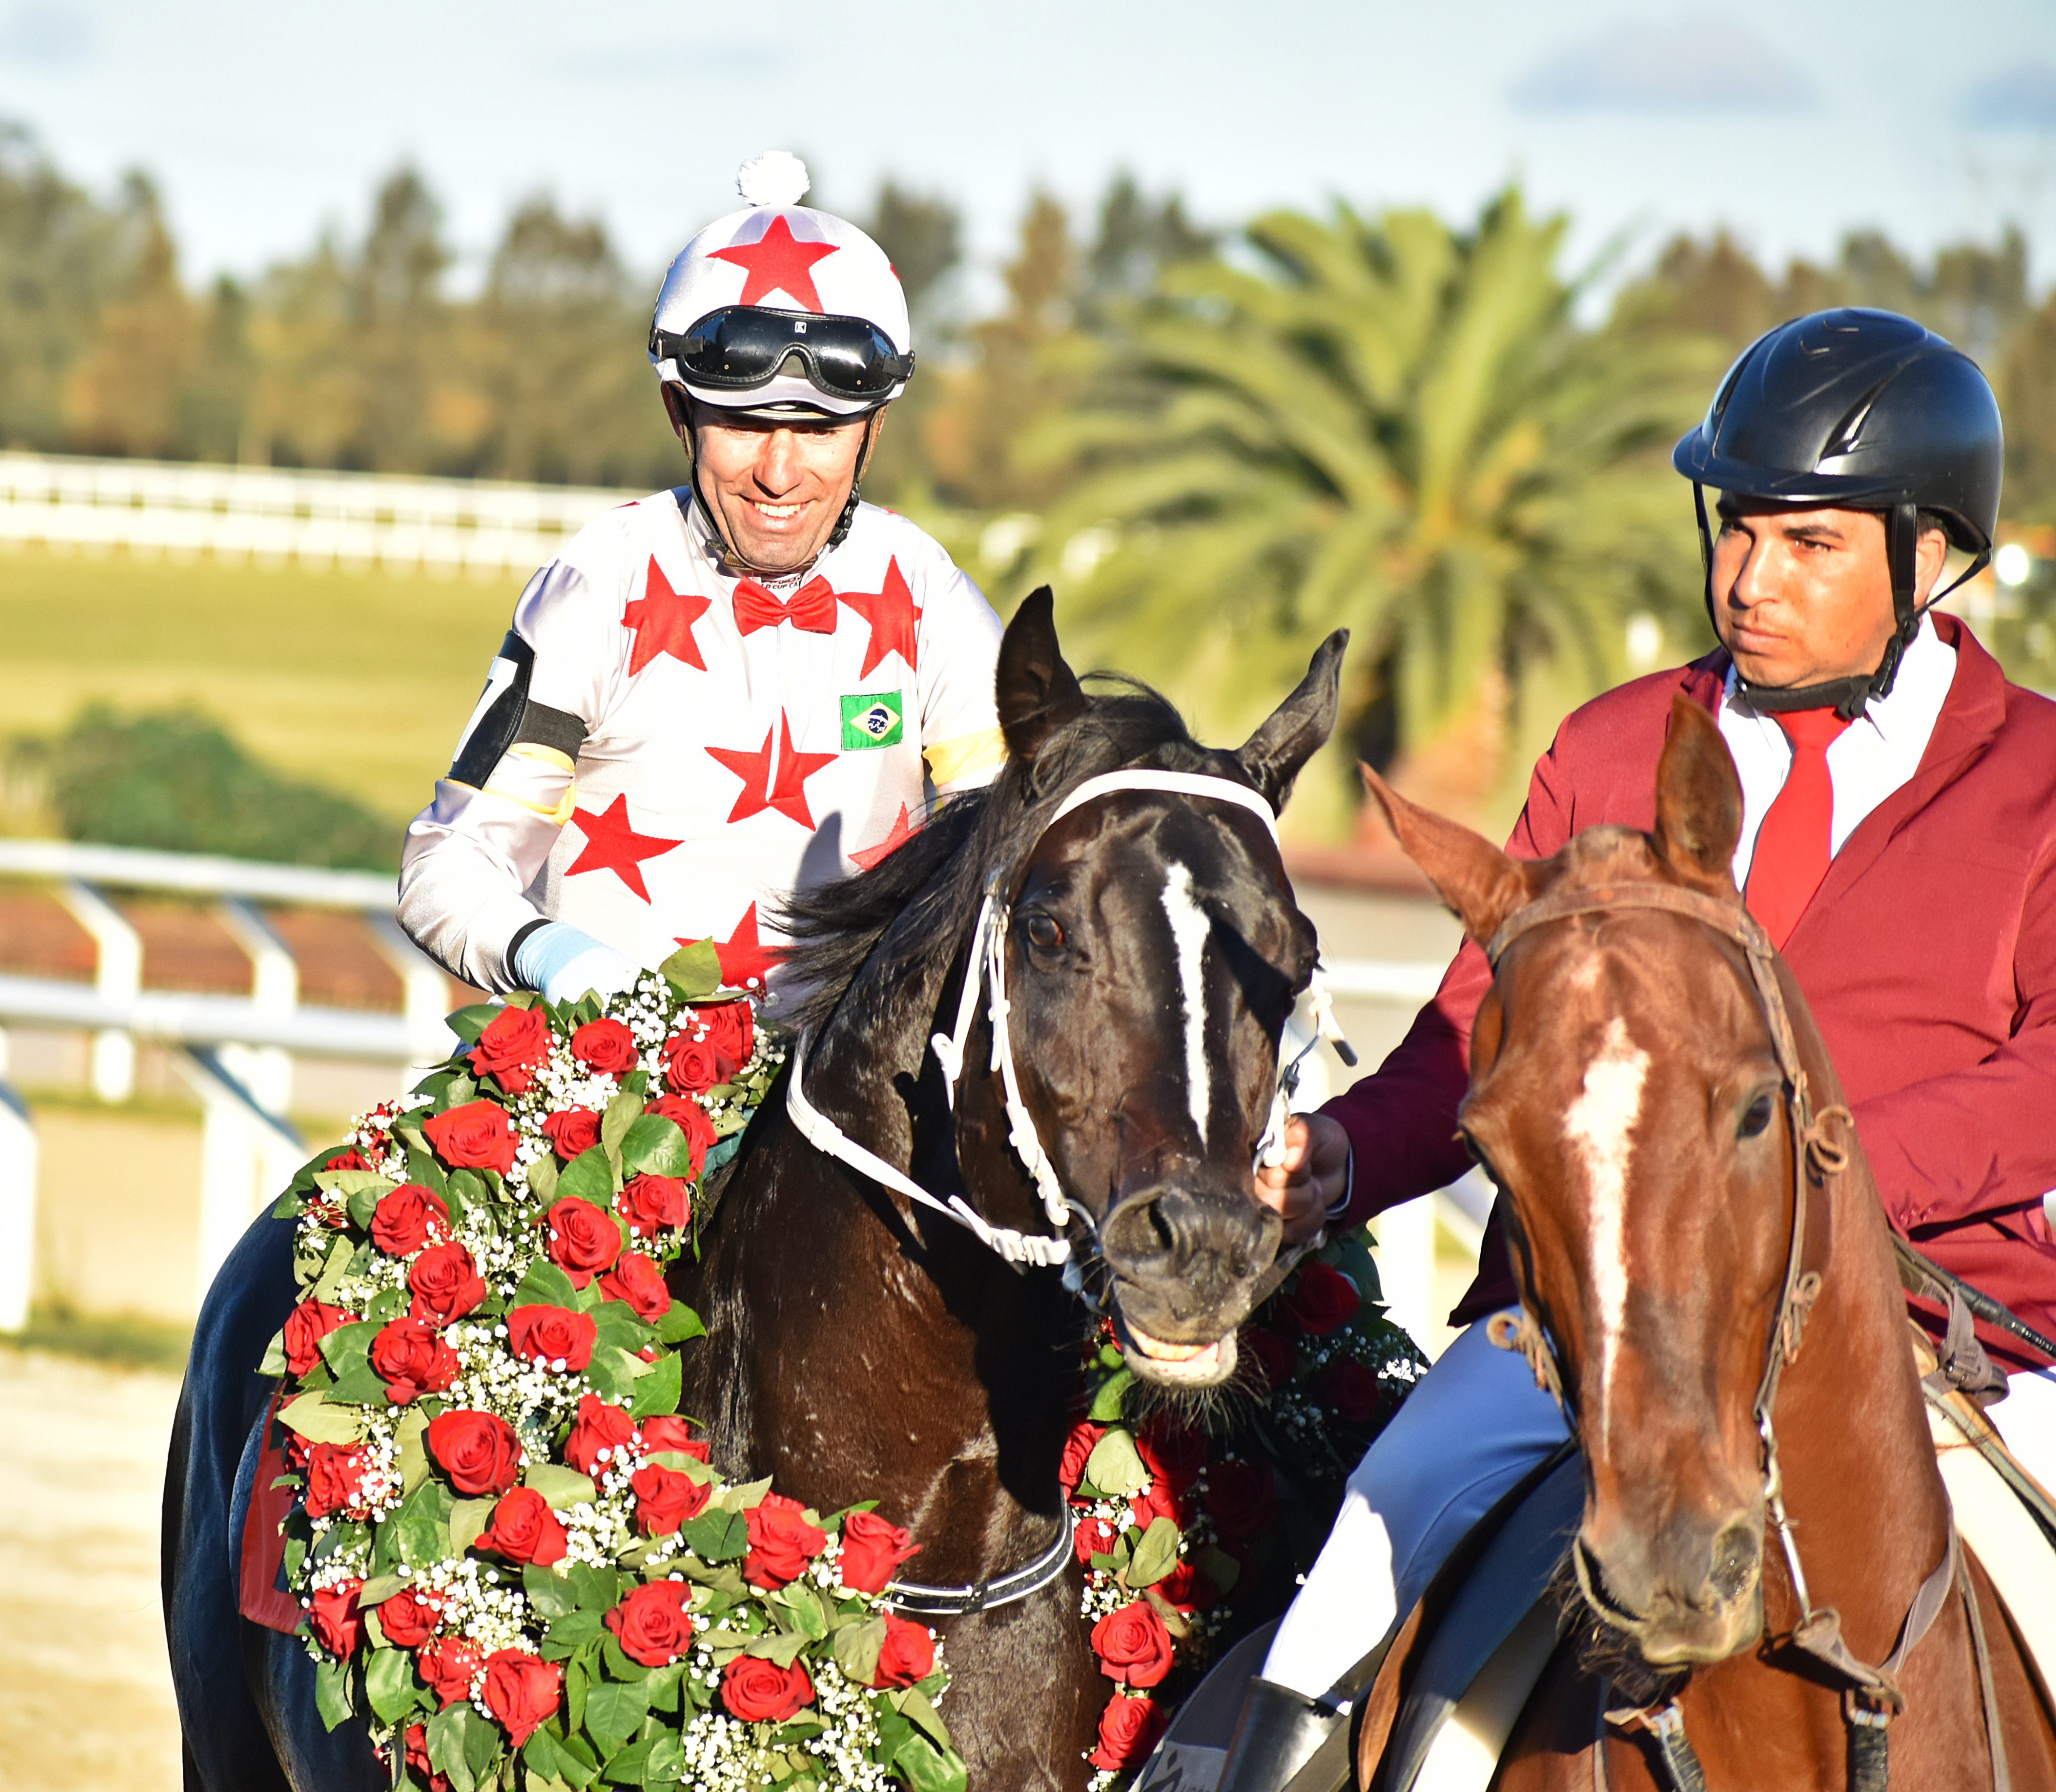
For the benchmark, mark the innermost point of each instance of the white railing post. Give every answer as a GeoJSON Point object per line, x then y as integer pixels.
{"type": "Point", "coordinates": [118, 977]}
{"type": "Point", "coordinates": [18, 1164]}
{"type": "Point", "coordinates": [267, 1071]}
{"type": "Point", "coordinates": [247, 1157]}
{"type": "Point", "coordinates": [424, 998]}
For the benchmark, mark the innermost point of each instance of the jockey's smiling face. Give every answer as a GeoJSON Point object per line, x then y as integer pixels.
{"type": "Point", "coordinates": [1804, 594]}
{"type": "Point", "coordinates": [777, 489]}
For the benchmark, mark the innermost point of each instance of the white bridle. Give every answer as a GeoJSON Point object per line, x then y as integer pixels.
{"type": "Point", "coordinates": [987, 969]}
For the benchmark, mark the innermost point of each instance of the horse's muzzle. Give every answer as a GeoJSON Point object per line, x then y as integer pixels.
{"type": "Point", "coordinates": [1693, 1595]}
{"type": "Point", "coordinates": [1186, 1260]}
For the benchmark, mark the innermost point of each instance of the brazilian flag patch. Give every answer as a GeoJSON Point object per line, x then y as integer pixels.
{"type": "Point", "coordinates": [872, 719]}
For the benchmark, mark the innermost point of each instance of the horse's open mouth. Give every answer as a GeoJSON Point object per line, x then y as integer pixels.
{"type": "Point", "coordinates": [1176, 1365]}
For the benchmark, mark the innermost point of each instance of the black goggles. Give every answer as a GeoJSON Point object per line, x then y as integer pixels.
{"type": "Point", "coordinates": [740, 347]}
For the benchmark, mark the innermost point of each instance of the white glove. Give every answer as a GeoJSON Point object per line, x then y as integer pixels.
{"type": "Point", "coordinates": [566, 964]}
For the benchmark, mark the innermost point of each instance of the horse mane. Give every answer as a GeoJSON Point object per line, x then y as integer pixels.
{"type": "Point", "coordinates": [862, 940]}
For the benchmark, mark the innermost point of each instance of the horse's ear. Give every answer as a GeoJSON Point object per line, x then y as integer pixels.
{"type": "Point", "coordinates": [1037, 692]}
{"type": "Point", "coordinates": [1699, 801]}
{"type": "Point", "coordinates": [1481, 884]}
{"type": "Point", "coordinates": [1277, 753]}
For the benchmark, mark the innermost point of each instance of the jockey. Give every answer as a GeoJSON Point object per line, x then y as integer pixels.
{"type": "Point", "coordinates": [1892, 778]}
{"type": "Point", "coordinates": [728, 691]}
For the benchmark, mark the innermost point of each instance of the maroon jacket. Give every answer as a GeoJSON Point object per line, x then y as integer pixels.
{"type": "Point", "coordinates": [1928, 957]}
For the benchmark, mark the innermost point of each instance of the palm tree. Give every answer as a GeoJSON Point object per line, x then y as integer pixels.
{"type": "Point", "coordinates": [1386, 425]}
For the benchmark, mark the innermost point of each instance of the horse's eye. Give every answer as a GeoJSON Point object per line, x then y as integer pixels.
{"type": "Point", "coordinates": [1044, 935]}
{"type": "Point", "coordinates": [1755, 1118]}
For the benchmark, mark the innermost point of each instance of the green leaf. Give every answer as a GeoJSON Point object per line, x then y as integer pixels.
{"type": "Point", "coordinates": [545, 1285]}
{"type": "Point", "coordinates": [345, 1348]}
{"type": "Point", "coordinates": [626, 1768]}
{"type": "Point", "coordinates": [451, 1749]}
{"type": "Point", "coordinates": [577, 1758]}
{"type": "Point", "coordinates": [549, 1592]}
{"type": "Point", "coordinates": [463, 1191]}
{"type": "Point", "coordinates": [662, 1686]}
{"type": "Point", "coordinates": [333, 1271]}
{"type": "Point", "coordinates": [1114, 1467]}
{"type": "Point", "coordinates": [913, 1702]}
{"type": "Point", "coordinates": [363, 1387]}
{"type": "Point", "coordinates": [666, 1762]}
{"type": "Point", "coordinates": [805, 1604]}
{"type": "Point", "coordinates": [658, 1391]}
{"type": "Point", "coordinates": [386, 1306]}
{"type": "Point", "coordinates": [718, 1536]}
{"type": "Point", "coordinates": [350, 1183]}
{"type": "Point", "coordinates": [1155, 1555]}
{"type": "Point", "coordinates": [679, 1323]}
{"type": "Point", "coordinates": [618, 1665]}
{"type": "Point", "coordinates": [780, 1646]}
{"type": "Point", "coordinates": [614, 1712]}
{"type": "Point", "coordinates": [615, 1322]}
{"type": "Point", "coordinates": [468, 1519]}
{"type": "Point", "coordinates": [623, 1111]}
{"type": "Point", "coordinates": [483, 1744]}
{"type": "Point", "coordinates": [332, 1697]}
{"type": "Point", "coordinates": [469, 1023]}
{"type": "Point", "coordinates": [562, 1487]}
{"type": "Point", "coordinates": [694, 971]}
{"type": "Point", "coordinates": [273, 1364]}
{"type": "Point", "coordinates": [543, 1179]}
{"type": "Point", "coordinates": [857, 1648]}
{"type": "Point", "coordinates": [576, 1629]}
{"type": "Point", "coordinates": [1218, 1566]}
{"type": "Point", "coordinates": [420, 1527]}
{"type": "Point", "coordinates": [1107, 1403]}
{"type": "Point", "coordinates": [389, 1684]}
{"type": "Point", "coordinates": [378, 1591]}
{"type": "Point", "coordinates": [595, 1589]}
{"type": "Point", "coordinates": [656, 1146]}
{"type": "Point", "coordinates": [409, 1437]}
{"type": "Point", "coordinates": [318, 1422]}
{"type": "Point", "coordinates": [925, 1768]}
{"type": "Point", "coordinates": [591, 1176]}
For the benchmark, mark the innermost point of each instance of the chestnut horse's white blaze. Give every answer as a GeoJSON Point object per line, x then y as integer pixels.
{"type": "Point", "coordinates": [1189, 929]}
{"type": "Point", "coordinates": [1600, 1126]}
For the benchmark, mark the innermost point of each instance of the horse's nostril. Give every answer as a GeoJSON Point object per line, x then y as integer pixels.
{"type": "Point", "coordinates": [1736, 1551]}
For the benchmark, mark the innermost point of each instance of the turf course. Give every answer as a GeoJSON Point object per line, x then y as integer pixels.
{"type": "Point", "coordinates": [360, 681]}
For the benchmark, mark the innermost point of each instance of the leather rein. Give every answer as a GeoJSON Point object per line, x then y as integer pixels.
{"type": "Point", "coordinates": [1871, 1695]}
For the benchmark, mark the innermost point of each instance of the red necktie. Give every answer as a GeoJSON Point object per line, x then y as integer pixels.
{"type": "Point", "coordinates": [1793, 845]}
{"type": "Point", "coordinates": [812, 608]}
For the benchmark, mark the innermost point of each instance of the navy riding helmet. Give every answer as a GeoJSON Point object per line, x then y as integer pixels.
{"type": "Point", "coordinates": [1862, 410]}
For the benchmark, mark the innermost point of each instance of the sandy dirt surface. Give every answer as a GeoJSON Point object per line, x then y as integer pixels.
{"type": "Point", "coordinates": [85, 1694]}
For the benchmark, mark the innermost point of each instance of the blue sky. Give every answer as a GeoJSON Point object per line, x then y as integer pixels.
{"type": "Point", "coordinates": [1789, 122]}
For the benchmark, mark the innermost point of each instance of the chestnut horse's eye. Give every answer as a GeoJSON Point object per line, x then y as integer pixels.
{"type": "Point", "coordinates": [1044, 935]}
{"type": "Point", "coordinates": [1755, 1118]}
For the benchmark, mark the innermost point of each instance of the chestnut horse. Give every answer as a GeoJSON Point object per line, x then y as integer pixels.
{"type": "Point", "coordinates": [1772, 1592]}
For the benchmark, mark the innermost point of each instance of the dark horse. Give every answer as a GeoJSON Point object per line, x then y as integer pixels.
{"type": "Point", "coordinates": [862, 1347]}
{"type": "Point", "coordinates": [1651, 1095]}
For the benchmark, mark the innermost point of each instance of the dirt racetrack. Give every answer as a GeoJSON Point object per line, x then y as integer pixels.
{"type": "Point", "coordinates": [85, 1696]}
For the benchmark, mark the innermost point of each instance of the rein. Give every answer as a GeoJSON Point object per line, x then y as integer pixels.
{"type": "Point", "coordinates": [1870, 1697]}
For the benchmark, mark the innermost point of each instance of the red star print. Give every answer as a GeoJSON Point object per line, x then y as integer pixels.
{"type": "Point", "coordinates": [662, 620]}
{"type": "Point", "coordinates": [787, 795]}
{"type": "Point", "coordinates": [777, 262]}
{"type": "Point", "coordinates": [873, 856]}
{"type": "Point", "coordinates": [744, 959]}
{"type": "Point", "coordinates": [892, 617]}
{"type": "Point", "coordinates": [611, 845]}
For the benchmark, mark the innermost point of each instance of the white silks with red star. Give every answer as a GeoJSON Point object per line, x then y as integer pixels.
{"type": "Point", "coordinates": [726, 761]}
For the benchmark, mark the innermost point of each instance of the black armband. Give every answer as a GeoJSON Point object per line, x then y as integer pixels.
{"type": "Point", "coordinates": [508, 716]}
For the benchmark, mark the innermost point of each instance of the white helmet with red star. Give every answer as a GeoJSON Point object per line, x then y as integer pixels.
{"type": "Point", "coordinates": [779, 307]}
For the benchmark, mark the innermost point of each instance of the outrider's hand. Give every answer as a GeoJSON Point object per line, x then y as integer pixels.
{"type": "Point", "coordinates": [1312, 1178]}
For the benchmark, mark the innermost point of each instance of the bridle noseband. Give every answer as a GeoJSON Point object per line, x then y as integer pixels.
{"type": "Point", "coordinates": [1871, 1695]}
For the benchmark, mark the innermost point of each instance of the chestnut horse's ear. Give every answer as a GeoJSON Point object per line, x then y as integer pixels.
{"type": "Point", "coordinates": [1481, 884]}
{"type": "Point", "coordinates": [1036, 691]}
{"type": "Point", "coordinates": [1699, 801]}
{"type": "Point", "coordinates": [1278, 752]}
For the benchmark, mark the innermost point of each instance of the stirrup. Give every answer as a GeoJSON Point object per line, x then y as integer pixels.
{"type": "Point", "coordinates": [1278, 1734]}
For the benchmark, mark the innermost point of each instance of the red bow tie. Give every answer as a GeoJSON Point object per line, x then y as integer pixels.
{"type": "Point", "coordinates": [812, 608]}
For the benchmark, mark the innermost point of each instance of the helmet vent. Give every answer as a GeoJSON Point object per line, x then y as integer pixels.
{"type": "Point", "coordinates": [777, 177]}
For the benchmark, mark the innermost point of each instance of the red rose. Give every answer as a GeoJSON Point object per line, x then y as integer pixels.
{"type": "Point", "coordinates": [338, 1623]}
{"type": "Point", "coordinates": [691, 1119]}
{"type": "Point", "coordinates": [597, 1434]}
{"type": "Point", "coordinates": [730, 1028]}
{"type": "Point", "coordinates": [408, 1620]}
{"type": "Point", "coordinates": [1078, 1451]}
{"type": "Point", "coordinates": [1094, 1537]}
{"type": "Point", "coordinates": [692, 1066]}
{"type": "Point", "coordinates": [759, 1691]}
{"type": "Point", "coordinates": [653, 1625]}
{"type": "Point", "coordinates": [416, 1752]}
{"type": "Point", "coordinates": [554, 1336]}
{"type": "Point", "coordinates": [665, 1499]}
{"type": "Point", "coordinates": [1172, 1454]}
{"type": "Point", "coordinates": [446, 1283]}
{"type": "Point", "coordinates": [523, 1529]}
{"type": "Point", "coordinates": [306, 1326]}
{"type": "Point", "coordinates": [650, 1203]}
{"type": "Point", "coordinates": [522, 1691]}
{"type": "Point", "coordinates": [1129, 1728]}
{"type": "Point", "coordinates": [410, 1357]}
{"type": "Point", "coordinates": [351, 1159]}
{"type": "Point", "coordinates": [1349, 1390]}
{"type": "Point", "coordinates": [605, 1044]}
{"type": "Point", "coordinates": [408, 1218]}
{"type": "Point", "coordinates": [1240, 1499]}
{"type": "Point", "coordinates": [1323, 1299]}
{"type": "Point", "coordinates": [478, 1135]}
{"type": "Point", "coordinates": [1275, 1356]}
{"type": "Point", "coordinates": [640, 1280]}
{"type": "Point", "coordinates": [449, 1665]}
{"type": "Point", "coordinates": [667, 1431]}
{"type": "Point", "coordinates": [1133, 1647]}
{"type": "Point", "coordinates": [477, 1450]}
{"type": "Point", "coordinates": [909, 1654]}
{"type": "Point", "coordinates": [781, 1542]}
{"type": "Point", "coordinates": [871, 1548]}
{"type": "Point", "coordinates": [572, 1130]}
{"type": "Point", "coordinates": [1159, 1502]}
{"type": "Point", "coordinates": [335, 1478]}
{"type": "Point", "coordinates": [583, 1239]}
{"type": "Point", "coordinates": [514, 1043]}
{"type": "Point", "coordinates": [1188, 1589]}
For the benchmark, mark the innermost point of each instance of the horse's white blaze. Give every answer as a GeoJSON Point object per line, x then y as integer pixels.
{"type": "Point", "coordinates": [1600, 1126]}
{"type": "Point", "coordinates": [1189, 929]}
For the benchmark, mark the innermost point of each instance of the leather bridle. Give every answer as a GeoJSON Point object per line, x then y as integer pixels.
{"type": "Point", "coordinates": [1871, 1695]}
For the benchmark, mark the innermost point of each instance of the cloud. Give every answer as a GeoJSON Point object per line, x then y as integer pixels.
{"type": "Point", "coordinates": [45, 37]}
{"type": "Point", "coordinates": [1700, 64]}
{"type": "Point", "coordinates": [2021, 98]}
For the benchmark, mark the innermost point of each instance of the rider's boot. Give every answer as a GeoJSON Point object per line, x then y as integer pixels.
{"type": "Point", "coordinates": [1279, 1732]}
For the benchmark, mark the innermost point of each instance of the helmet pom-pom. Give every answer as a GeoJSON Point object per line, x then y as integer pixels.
{"type": "Point", "coordinates": [777, 177]}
